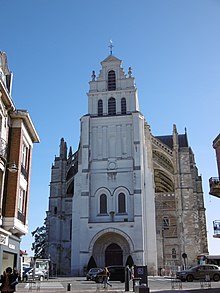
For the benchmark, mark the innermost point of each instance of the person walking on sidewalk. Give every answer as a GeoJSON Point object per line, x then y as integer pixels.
{"type": "Point", "coordinates": [106, 275]}
{"type": "Point", "coordinates": [8, 281]}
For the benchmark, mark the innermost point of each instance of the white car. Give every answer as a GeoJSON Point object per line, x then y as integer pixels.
{"type": "Point", "coordinates": [28, 274]}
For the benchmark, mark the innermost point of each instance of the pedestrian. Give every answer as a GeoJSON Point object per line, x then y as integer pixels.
{"type": "Point", "coordinates": [106, 275]}
{"type": "Point", "coordinates": [8, 281]}
{"type": "Point", "coordinates": [132, 272]}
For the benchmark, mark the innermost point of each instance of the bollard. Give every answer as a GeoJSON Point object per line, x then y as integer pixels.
{"type": "Point", "coordinates": [68, 287]}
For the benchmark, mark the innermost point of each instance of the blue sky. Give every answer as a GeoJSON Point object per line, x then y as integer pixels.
{"type": "Point", "coordinates": [172, 46]}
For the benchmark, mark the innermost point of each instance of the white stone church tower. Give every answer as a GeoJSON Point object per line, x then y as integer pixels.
{"type": "Point", "coordinates": [121, 198]}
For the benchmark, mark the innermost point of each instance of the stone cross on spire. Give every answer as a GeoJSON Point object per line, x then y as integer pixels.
{"type": "Point", "coordinates": [111, 46]}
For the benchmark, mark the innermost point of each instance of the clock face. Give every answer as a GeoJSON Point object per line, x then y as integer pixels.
{"type": "Point", "coordinates": [111, 165]}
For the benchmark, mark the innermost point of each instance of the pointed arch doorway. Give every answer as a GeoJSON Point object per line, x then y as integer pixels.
{"type": "Point", "coordinates": [113, 255]}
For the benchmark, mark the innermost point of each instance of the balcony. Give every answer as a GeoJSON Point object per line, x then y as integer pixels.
{"type": "Point", "coordinates": [214, 184]}
{"type": "Point", "coordinates": [3, 149]}
{"type": "Point", "coordinates": [216, 227]}
{"type": "Point", "coordinates": [15, 225]}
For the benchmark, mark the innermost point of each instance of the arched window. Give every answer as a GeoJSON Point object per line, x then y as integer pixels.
{"type": "Point", "coordinates": [111, 106]}
{"type": "Point", "coordinates": [103, 204]}
{"type": "Point", "coordinates": [100, 107]}
{"type": "Point", "coordinates": [123, 106]}
{"type": "Point", "coordinates": [111, 81]}
{"type": "Point", "coordinates": [173, 253]}
{"type": "Point", "coordinates": [121, 203]}
{"type": "Point", "coordinates": [55, 210]}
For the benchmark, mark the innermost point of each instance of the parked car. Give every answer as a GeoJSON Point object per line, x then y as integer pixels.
{"type": "Point", "coordinates": [28, 274]}
{"type": "Point", "coordinates": [25, 265]}
{"type": "Point", "coordinates": [117, 273]}
{"type": "Point", "coordinates": [200, 272]}
{"type": "Point", "coordinates": [92, 273]}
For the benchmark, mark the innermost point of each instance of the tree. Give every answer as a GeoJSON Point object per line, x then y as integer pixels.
{"type": "Point", "coordinates": [39, 244]}
{"type": "Point", "coordinates": [129, 261]}
{"type": "Point", "coordinates": [91, 263]}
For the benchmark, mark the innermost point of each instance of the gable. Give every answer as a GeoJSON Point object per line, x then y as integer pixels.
{"type": "Point", "coordinates": [111, 58]}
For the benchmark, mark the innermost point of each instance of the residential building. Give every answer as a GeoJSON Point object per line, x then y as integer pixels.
{"type": "Point", "coordinates": [214, 183]}
{"type": "Point", "coordinates": [17, 136]}
{"type": "Point", "coordinates": [125, 196]}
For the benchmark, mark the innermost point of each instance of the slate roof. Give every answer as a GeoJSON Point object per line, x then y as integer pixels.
{"type": "Point", "coordinates": [168, 140]}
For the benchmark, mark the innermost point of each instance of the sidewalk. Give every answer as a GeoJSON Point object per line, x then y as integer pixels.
{"type": "Point", "coordinates": [56, 287]}
{"type": "Point", "coordinates": [213, 290]}
{"type": "Point", "coordinates": [80, 285]}
{"type": "Point", "coordinates": [207, 290]}
{"type": "Point", "coordinates": [51, 290]}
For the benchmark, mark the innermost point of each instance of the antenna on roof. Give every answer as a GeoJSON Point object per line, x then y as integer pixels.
{"type": "Point", "coordinates": [111, 46]}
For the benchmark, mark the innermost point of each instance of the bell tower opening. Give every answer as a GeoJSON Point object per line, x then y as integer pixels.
{"type": "Point", "coordinates": [111, 81]}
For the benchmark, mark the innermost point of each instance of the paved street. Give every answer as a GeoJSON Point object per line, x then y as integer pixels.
{"type": "Point", "coordinates": [79, 284]}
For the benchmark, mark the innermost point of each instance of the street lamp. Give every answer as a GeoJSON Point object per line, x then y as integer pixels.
{"type": "Point", "coordinates": [12, 167]}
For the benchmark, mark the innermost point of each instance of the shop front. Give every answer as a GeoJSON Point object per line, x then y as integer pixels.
{"type": "Point", "coordinates": [9, 251]}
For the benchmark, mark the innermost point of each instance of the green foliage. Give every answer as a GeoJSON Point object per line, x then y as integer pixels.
{"type": "Point", "coordinates": [91, 263]}
{"type": "Point", "coordinates": [129, 261]}
{"type": "Point", "coordinates": [39, 244]}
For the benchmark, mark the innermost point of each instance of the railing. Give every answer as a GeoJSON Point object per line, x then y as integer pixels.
{"type": "Point", "coordinates": [3, 148]}
{"type": "Point", "coordinates": [21, 217]}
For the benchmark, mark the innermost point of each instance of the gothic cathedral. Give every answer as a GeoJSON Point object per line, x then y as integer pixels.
{"type": "Point", "coordinates": [125, 196]}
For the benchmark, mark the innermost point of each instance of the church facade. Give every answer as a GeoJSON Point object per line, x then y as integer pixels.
{"type": "Point", "coordinates": [125, 197]}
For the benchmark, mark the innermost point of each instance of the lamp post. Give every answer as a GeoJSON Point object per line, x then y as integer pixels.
{"type": "Point", "coordinates": [12, 167]}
